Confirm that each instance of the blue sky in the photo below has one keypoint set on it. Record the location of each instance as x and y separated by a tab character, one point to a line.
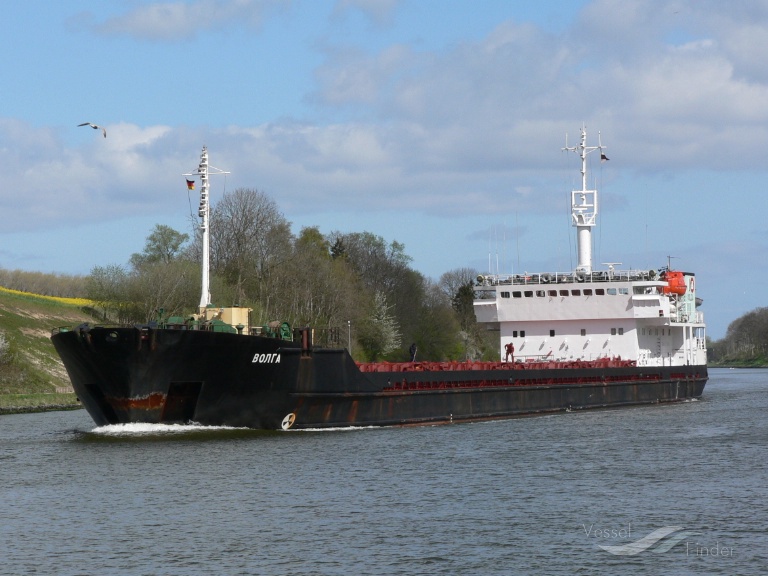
435	123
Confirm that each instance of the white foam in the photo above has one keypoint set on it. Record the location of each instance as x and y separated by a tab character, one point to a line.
333	429
136	428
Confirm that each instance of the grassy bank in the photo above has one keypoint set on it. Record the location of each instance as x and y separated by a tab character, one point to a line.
32	376
17	403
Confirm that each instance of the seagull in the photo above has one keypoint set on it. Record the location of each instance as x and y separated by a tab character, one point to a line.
104	130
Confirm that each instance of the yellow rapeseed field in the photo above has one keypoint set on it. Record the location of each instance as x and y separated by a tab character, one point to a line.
60	300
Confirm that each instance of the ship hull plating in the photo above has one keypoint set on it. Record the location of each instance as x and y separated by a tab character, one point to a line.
124	375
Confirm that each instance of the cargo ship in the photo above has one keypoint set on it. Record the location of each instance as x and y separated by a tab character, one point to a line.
580	339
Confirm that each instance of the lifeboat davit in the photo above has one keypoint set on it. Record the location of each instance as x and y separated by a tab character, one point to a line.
675	283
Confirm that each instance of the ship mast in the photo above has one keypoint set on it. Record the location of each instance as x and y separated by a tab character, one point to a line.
204	211
584	203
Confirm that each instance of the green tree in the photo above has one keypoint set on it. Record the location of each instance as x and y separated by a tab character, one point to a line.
315	289
312	241
745	342
159	277
338	250
163	245
437	332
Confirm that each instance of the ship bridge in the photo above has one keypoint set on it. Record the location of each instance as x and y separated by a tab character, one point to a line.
646	316
632	314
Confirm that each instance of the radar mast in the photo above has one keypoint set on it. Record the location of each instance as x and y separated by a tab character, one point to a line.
584	203
204	212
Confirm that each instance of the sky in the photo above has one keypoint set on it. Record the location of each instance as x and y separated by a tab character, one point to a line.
436	123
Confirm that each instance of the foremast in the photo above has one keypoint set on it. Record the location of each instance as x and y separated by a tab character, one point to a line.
584	203
204	212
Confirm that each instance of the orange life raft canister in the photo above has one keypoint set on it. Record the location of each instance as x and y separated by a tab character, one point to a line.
675	283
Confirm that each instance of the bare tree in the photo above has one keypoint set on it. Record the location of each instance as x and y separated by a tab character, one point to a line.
108	287
379	265
249	238
47	284
450	282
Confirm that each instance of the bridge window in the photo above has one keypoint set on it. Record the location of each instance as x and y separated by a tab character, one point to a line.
551	333
612	291
563	292
505	294
587	291
599	291
575	292
528	293
517	294
540	293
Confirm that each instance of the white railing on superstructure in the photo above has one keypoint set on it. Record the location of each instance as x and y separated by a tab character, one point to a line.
533	278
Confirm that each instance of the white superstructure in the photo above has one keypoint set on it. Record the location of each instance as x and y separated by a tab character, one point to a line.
649	316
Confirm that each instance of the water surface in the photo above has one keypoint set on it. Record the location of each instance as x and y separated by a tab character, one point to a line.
534	495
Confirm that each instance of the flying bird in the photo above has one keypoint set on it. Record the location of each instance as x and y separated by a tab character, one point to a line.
95	127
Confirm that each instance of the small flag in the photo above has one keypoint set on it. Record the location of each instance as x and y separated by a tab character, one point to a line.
603	158
191	184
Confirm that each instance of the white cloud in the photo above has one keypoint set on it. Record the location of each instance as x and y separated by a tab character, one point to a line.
179	20
476	127
379	11
101	179
492	104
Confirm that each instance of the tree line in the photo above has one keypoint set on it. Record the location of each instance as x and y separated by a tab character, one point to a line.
47	284
745	341
356	285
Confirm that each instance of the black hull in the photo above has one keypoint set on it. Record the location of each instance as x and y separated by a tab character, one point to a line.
125	375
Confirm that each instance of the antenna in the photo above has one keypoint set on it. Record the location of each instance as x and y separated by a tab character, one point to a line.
517	242
203	171
669	261
490	270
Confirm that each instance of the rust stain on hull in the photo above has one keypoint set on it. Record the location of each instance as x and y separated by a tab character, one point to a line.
153	401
